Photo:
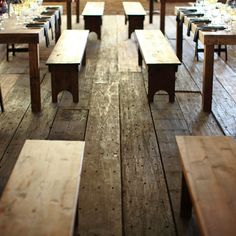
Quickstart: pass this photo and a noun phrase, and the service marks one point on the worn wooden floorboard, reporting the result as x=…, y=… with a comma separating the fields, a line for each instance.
x=31, y=126
x=144, y=191
x=169, y=121
x=232, y=57
x=69, y=124
x=127, y=48
x=16, y=103
x=123, y=186
x=100, y=192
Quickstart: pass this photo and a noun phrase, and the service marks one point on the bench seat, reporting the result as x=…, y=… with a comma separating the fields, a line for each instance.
x=135, y=15
x=161, y=61
x=41, y=195
x=92, y=13
x=65, y=60
x=208, y=182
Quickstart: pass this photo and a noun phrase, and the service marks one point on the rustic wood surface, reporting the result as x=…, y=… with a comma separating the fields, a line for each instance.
x=108, y=184
x=64, y=52
x=133, y=8
x=155, y=48
x=209, y=165
x=93, y=9
x=42, y=193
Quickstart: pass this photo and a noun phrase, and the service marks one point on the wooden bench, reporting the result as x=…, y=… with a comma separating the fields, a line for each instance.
x=135, y=15
x=208, y=182
x=41, y=195
x=65, y=60
x=1, y=100
x=93, y=12
x=161, y=61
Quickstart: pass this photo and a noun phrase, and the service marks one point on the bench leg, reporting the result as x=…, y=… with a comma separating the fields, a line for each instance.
x=93, y=24
x=140, y=59
x=135, y=22
x=84, y=59
x=64, y=78
x=76, y=225
x=185, y=204
x=161, y=77
x=1, y=100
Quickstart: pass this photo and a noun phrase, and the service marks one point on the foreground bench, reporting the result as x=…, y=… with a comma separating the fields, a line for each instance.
x=161, y=61
x=92, y=13
x=65, y=60
x=208, y=183
x=135, y=15
x=41, y=195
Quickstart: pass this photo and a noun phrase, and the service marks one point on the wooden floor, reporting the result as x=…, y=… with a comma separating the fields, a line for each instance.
x=131, y=174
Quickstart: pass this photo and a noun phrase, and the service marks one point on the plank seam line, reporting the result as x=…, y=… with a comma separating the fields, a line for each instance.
x=162, y=164
x=121, y=169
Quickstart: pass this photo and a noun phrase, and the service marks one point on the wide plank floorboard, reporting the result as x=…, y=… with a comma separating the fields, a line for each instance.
x=130, y=183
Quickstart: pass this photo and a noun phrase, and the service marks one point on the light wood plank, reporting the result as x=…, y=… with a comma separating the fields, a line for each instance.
x=144, y=190
x=134, y=8
x=93, y=9
x=69, y=48
x=155, y=48
x=41, y=195
x=209, y=167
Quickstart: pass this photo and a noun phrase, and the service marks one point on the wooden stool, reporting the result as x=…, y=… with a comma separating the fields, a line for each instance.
x=1, y=100
x=93, y=13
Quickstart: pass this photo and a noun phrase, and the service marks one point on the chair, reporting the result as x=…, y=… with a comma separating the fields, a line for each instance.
x=218, y=49
x=1, y=101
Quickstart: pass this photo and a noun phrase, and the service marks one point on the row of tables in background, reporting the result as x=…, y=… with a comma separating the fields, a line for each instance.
x=16, y=34
x=212, y=36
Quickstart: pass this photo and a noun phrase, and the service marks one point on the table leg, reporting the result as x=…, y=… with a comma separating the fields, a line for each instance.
x=68, y=12
x=34, y=77
x=77, y=10
x=179, y=39
x=162, y=15
x=150, y=11
x=208, y=77
x=185, y=204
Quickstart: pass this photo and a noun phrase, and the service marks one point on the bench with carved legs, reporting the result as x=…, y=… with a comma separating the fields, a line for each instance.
x=92, y=13
x=65, y=60
x=161, y=61
x=134, y=15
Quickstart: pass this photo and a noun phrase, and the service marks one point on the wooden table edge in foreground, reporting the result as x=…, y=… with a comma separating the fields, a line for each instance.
x=41, y=195
x=208, y=182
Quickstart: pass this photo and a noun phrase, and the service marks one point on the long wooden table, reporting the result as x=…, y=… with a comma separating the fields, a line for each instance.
x=162, y=11
x=31, y=36
x=209, y=40
x=41, y=195
x=209, y=177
